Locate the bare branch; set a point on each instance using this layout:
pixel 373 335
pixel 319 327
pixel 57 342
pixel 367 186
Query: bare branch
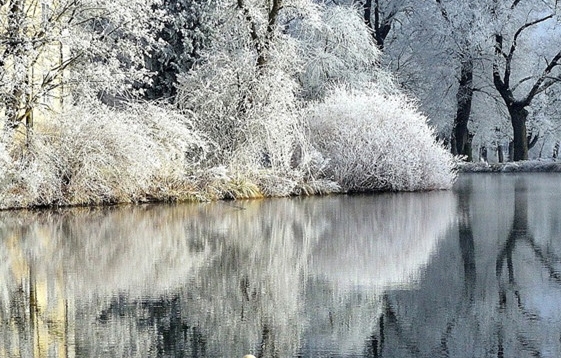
pixel 514 4
pixel 541 84
pixel 517 34
pixel 525 79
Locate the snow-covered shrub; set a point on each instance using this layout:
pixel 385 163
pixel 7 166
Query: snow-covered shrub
pixel 378 142
pixel 94 154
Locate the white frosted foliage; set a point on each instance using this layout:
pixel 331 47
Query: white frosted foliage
pixel 379 142
pixel 94 154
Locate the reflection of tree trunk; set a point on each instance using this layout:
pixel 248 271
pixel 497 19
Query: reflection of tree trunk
pixel 376 341
pixel 267 346
pixel 519 230
pixel 391 321
pixel 32 295
pixel 467 245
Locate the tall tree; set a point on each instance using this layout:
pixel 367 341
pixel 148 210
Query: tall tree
pixel 507 47
pixel 465 52
pixel 436 52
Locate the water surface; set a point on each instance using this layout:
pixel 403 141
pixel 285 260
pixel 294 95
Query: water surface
pixel 473 272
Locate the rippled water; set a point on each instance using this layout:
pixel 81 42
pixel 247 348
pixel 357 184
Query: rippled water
pixel 475 272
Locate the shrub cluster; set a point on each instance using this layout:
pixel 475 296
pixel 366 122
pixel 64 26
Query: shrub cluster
pixel 93 154
pixel 378 142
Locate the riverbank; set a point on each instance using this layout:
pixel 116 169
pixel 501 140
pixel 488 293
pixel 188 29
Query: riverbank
pixel 529 166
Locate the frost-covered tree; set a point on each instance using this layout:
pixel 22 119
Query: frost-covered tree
pixel 459 58
pixel 465 36
pixel 379 142
pixel 79 48
pixel 438 53
pixel 258 76
pixel 70 62
pixel 339 49
pixel 243 94
pixel 517 80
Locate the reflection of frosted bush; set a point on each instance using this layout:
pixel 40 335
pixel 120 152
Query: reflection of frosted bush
pixel 393 237
pixel 379 142
pixel 243 274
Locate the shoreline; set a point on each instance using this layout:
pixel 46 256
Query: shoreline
pixel 529 166
pixel 202 196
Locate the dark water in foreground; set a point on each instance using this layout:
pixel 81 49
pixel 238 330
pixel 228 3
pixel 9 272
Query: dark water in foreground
pixel 471 273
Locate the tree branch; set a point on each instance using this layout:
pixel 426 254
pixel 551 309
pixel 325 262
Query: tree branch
pixel 541 84
pixel 509 56
pixel 501 85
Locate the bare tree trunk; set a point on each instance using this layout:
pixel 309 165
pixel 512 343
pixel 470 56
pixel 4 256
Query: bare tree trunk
pixel 519 115
pixel 464 98
pixel 469 148
pixel 483 154
pixel 500 153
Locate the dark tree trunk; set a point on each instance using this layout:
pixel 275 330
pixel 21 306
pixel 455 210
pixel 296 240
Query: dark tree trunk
pixel 483 154
pixel 368 13
pixel 380 27
pixel 500 154
pixel 453 147
pixel 556 151
pixel 519 115
pixel 464 98
pixel 467 243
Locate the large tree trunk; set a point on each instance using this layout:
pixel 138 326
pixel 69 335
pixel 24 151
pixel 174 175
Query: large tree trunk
pixel 464 98
pixel 519 115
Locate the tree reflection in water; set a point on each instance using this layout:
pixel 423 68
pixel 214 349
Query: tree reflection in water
pixel 501 293
pixel 275 278
pixel 386 275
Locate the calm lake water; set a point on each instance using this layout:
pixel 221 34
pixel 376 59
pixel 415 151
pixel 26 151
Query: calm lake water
pixel 474 272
